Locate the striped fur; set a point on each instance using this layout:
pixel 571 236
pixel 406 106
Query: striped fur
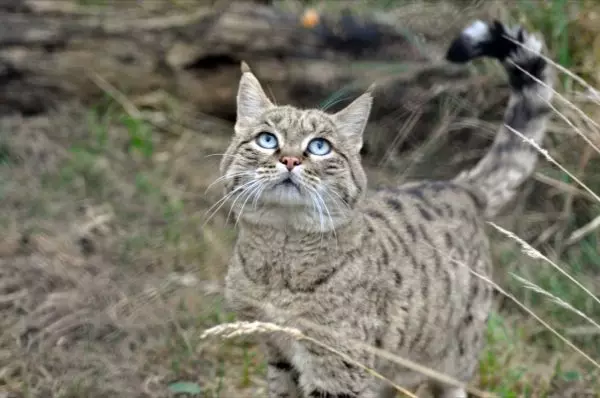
pixel 510 160
pixel 391 268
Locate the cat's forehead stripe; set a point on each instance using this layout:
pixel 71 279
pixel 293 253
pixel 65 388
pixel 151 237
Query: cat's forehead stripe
pixel 288 120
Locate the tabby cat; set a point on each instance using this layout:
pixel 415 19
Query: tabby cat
pixel 392 268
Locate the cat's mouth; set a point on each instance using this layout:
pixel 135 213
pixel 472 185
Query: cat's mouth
pixel 288 183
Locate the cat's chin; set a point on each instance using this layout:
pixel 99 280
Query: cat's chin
pixel 286 194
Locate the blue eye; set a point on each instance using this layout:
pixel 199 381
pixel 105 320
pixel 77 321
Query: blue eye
pixel 319 147
pixel 267 141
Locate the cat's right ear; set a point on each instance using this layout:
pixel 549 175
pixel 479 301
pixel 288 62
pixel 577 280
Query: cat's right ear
pixel 251 98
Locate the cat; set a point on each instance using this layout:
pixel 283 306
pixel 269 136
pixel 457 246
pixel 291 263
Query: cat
pixel 392 268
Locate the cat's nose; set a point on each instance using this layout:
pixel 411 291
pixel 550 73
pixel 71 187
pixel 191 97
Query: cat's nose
pixel 290 162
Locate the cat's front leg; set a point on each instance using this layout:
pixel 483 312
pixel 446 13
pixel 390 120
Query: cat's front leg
pixel 282 378
pixel 329 375
pixel 362 387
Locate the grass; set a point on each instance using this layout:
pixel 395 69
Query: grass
pixel 561 214
pixel 121 248
pixel 107 282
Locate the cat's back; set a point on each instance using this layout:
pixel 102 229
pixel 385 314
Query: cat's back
pixel 426 223
pixel 425 210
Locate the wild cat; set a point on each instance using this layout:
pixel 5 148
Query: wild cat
pixel 388 268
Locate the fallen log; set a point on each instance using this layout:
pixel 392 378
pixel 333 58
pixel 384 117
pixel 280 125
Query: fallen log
pixel 49 51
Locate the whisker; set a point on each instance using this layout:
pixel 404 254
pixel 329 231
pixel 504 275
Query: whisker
pixel 315 205
pixel 328 215
pixel 312 200
pixel 257 196
pixel 319 212
pixel 321 201
pixel 222 201
pixel 228 176
pixel 223 198
pixel 315 202
pixel 323 219
pixel 338 201
pixel 324 203
pixel 240 195
pixel 251 192
pixel 341 199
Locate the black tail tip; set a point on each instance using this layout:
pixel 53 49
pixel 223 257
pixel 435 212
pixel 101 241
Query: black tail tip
pixel 462 50
pixel 483 39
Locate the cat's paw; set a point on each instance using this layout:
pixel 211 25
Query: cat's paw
pixel 481 39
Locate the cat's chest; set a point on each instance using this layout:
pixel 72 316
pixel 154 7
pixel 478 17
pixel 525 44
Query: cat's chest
pixel 289 266
pixel 282 286
pixel 294 273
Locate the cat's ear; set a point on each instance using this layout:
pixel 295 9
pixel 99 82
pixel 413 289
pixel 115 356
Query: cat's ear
pixel 251 99
pixel 352 120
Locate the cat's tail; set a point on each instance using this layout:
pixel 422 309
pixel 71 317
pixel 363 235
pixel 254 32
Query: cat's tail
pixel 510 160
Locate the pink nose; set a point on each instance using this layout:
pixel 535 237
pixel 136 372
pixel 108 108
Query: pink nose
pixel 290 161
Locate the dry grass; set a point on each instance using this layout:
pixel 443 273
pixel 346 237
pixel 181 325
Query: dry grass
pixel 98 277
pixel 108 280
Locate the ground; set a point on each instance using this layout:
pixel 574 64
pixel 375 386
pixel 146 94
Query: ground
pixel 111 268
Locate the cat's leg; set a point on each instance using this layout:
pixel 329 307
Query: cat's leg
pixel 282 378
pixel 355 389
pixel 282 381
pixel 329 375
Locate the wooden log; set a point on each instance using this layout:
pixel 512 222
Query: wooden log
pixel 46 53
pixel 49 50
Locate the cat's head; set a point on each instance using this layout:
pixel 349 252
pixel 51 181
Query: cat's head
pixel 287 160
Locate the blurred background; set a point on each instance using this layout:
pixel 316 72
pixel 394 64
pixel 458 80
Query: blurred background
pixel 113 116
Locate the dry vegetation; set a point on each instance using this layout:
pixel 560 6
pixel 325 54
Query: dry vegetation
pixel 110 271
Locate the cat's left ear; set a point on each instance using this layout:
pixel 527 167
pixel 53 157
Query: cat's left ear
pixel 251 98
pixel 352 120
